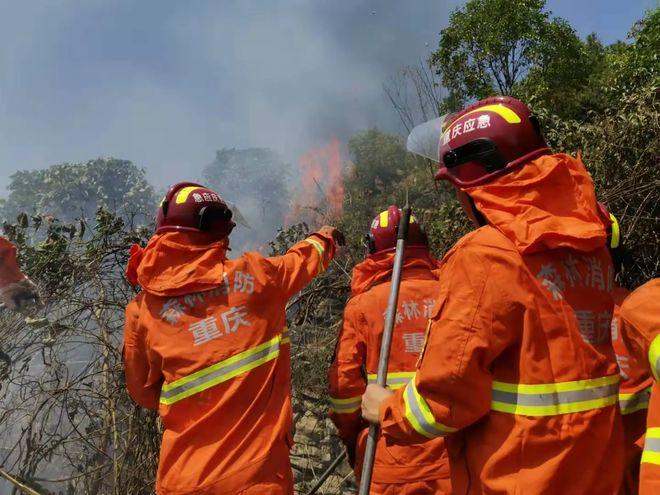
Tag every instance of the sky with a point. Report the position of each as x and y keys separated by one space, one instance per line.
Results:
x=166 y=83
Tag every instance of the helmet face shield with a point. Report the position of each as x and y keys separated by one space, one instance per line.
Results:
x=424 y=139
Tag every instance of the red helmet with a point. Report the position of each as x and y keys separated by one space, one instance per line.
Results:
x=384 y=228
x=191 y=207
x=488 y=139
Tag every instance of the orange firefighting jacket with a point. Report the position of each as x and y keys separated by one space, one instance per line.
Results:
x=518 y=364
x=634 y=395
x=9 y=271
x=206 y=344
x=356 y=361
x=640 y=328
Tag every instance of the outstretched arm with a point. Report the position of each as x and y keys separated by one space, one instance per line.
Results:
x=142 y=385
x=305 y=260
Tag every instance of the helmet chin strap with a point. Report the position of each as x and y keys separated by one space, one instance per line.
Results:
x=474 y=211
x=370 y=243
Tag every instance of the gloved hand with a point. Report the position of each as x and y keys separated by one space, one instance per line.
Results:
x=20 y=295
x=336 y=235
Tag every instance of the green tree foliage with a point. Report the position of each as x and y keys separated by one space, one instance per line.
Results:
x=255 y=180
x=379 y=159
x=382 y=173
x=494 y=46
x=637 y=64
x=570 y=83
x=614 y=73
x=77 y=190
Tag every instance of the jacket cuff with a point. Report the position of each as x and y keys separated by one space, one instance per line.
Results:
x=328 y=242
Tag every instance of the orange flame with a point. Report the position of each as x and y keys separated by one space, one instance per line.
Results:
x=321 y=196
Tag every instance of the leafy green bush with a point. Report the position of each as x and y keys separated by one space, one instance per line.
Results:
x=75 y=190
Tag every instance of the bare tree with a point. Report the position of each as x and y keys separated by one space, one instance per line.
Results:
x=415 y=94
x=66 y=422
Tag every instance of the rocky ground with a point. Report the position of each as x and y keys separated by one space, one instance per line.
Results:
x=316 y=446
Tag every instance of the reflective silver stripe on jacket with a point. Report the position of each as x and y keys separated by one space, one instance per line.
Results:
x=419 y=414
x=395 y=379
x=555 y=398
x=222 y=371
x=630 y=403
x=348 y=405
x=651 y=453
x=652 y=445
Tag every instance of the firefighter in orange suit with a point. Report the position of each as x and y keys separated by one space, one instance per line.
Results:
x=636 y=381
x=16 y=290
x=206 y=344
x=398 y=469
x=518 y=370
x=640 y=329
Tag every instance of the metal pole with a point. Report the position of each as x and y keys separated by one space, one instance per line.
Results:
x=383 y=360
x=327 y=473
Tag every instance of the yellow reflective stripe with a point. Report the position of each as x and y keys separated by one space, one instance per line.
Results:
x=221 y=364
x=394 y=374
x=222 y=371
x=395 y=379
x=651 y=454
x=506 y=113
x=653 y=432
x=616 y=233
x=630 y=403
x=650 y=457
x=319 y=249
x=345 y=406
x=419 y=415
x=565 y=408
x=554 y=398
x=349 y=400
x=384 y=219
x=654 y=357
x=547 y=388
x=182 y=195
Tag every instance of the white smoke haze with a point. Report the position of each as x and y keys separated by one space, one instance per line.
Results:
x=165 y=84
